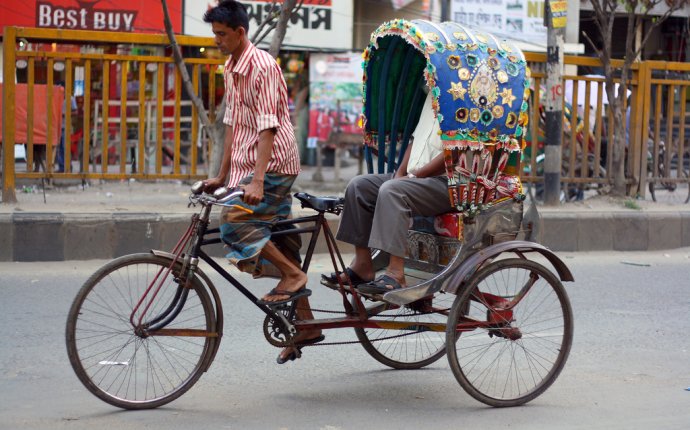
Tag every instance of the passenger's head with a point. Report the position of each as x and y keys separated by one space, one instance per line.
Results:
x=230 y=24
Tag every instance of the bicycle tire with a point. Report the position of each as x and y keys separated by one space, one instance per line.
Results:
x=125 y=369
x=672 y=187
x=491 y=367
x=416 y=349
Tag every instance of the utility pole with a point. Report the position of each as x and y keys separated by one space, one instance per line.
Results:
x=554 y=20
x=445 y=10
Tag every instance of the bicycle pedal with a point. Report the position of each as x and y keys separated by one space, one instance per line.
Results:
x=329 y=285
x=371 y=297
x=335 y=287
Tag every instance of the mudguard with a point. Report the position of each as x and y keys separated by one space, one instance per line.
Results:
x=519 y=247
x=216 y=301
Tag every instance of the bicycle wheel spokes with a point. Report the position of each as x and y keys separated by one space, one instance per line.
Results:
x=514 y=356
x=125 y=365
x=413 y=346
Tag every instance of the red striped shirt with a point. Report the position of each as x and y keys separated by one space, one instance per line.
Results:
x=257 y=100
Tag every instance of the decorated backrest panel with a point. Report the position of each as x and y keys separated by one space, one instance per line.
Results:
x=484 y=88
x=393 y=98
x=480 y=87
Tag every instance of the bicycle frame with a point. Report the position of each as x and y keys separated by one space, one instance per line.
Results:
x=198 y=235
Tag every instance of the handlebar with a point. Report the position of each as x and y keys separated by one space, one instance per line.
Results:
x=219 y=196
x=223 y=195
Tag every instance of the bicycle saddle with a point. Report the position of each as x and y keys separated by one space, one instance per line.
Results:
x=321 y=204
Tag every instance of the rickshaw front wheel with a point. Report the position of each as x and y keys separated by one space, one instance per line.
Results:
x=152 y=364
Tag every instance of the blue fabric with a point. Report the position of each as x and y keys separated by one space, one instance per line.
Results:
x=246 y=234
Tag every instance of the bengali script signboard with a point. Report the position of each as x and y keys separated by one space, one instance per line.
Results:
x=319 y=24
x=521 y=20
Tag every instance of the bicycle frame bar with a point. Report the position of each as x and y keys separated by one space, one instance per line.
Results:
x=466 y=325
x=199 y=230
x=176 y=305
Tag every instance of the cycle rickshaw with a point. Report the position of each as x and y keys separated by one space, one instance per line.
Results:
x=145 y=327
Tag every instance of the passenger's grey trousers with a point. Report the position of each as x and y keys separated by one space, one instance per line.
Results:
x=378 y=209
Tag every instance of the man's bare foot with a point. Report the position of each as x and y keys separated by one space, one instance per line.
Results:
x=290 y=284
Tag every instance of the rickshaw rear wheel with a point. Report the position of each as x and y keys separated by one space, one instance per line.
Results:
x=502 y=355
x=408 y=348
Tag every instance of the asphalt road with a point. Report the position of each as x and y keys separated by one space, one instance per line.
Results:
x=628 y=369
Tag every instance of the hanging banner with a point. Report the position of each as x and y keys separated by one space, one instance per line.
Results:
x=140 y=16
x=318 y=24
x=40 y=114
x=521 y=20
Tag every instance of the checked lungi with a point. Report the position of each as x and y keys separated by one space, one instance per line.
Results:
x=245 y=234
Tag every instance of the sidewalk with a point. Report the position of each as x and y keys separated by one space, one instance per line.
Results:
x=103 y=220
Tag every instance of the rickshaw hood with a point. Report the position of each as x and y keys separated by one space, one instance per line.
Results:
x=480 y=85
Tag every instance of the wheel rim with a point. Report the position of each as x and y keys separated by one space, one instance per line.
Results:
x=513 y=361
x=410 y=348
x=123 y=366
x=676 y=192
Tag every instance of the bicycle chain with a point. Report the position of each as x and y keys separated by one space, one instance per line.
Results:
x=355 y=341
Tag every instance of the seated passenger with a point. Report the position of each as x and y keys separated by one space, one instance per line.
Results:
x=378 y=207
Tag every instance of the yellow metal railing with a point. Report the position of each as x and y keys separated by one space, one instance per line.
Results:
x=122 y=142
x=587 y=137
x=154 y=141
x=665 y=124
x=658 y=131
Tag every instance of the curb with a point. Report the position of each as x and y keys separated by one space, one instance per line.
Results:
x=57 y=237
x=615 y=231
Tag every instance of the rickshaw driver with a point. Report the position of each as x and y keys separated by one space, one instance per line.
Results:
x=378 y=207
x=260 y=155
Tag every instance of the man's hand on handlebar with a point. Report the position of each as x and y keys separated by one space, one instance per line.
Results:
x=253 y=192
x=210 y=185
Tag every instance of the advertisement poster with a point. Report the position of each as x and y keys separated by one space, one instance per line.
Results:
x=399 y=4
x=140 y=16
x=318 y=24
x=335 y=96
x=559 y=13
x=521 y=20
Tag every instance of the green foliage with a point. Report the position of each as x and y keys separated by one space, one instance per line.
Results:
x=631 y=204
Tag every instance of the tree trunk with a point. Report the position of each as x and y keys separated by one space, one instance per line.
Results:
x=218 y=131
x=637 y=12
x=619 y=144
x=281 y=27
x=179 y=62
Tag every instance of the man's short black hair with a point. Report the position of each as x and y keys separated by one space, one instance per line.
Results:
x=229 y=12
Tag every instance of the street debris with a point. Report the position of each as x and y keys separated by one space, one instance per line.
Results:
x=632 y=263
